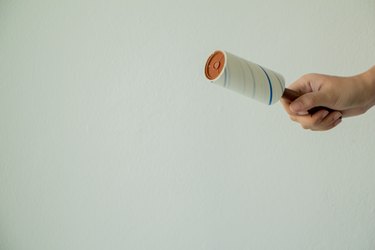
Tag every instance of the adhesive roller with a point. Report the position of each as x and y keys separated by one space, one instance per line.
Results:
x=248 y=78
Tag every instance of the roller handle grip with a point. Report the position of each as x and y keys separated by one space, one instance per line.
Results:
x=291 y=95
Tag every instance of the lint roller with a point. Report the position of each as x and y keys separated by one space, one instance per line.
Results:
x=248 y=78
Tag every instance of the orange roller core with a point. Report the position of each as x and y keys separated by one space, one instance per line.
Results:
x=214 y=65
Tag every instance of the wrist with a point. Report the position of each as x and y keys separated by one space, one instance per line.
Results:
x=367 y=79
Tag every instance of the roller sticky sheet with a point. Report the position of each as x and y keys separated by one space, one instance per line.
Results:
x=247 y=78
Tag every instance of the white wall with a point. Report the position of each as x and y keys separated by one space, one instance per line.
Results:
x=110 y=138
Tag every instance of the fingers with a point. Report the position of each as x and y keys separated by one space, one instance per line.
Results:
x=319 y=121
x=308 y=101
x=313 y=95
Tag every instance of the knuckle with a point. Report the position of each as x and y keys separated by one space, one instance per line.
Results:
x=362 y=110
x=317 y=129
x=309 y=102
x=304 y=126
x=308 y=76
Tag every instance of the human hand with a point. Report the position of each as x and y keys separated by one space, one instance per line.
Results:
x=347 y=96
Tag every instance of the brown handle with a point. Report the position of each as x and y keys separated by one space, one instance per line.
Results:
x=291 y=95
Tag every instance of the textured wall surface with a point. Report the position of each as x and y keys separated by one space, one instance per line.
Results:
x=110 y=138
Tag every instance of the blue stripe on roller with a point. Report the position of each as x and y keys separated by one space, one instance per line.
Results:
x=252 y=76
x=269 y=83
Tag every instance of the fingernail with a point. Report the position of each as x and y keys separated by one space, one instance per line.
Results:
x=302 y=113
x=337 y=122
x=337 y=116
x=296 y=107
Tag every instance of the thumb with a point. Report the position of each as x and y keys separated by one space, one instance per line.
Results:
x=307 y=101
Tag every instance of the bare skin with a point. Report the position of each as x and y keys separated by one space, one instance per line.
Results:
x=348 y=96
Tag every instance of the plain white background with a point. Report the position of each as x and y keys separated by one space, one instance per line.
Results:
x=111 y=138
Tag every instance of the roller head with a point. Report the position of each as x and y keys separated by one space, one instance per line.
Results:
x=215 y=65
x=244 y=77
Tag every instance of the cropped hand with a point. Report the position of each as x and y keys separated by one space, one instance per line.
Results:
x=347 y=96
